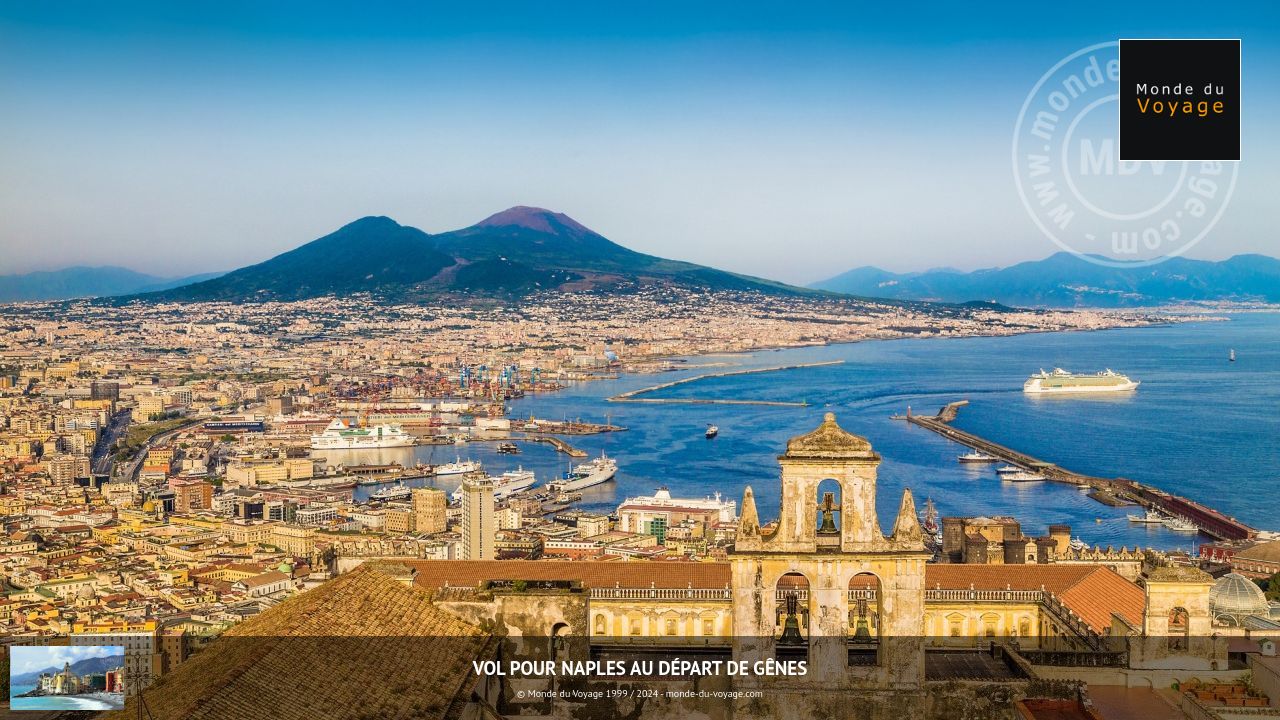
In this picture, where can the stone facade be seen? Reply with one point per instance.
(832, 561)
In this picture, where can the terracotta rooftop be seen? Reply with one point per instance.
(1091, 591)
(1262, 552)
(360, 646)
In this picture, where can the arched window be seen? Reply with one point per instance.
(828, 501)
(600, 624)
(791, 615)
(1179, 629)
(864, 619)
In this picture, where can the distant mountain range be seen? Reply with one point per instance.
(526, 249)
(512, 253)
(79, 282)
(80, 667)
(1066, 280)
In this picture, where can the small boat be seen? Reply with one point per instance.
(930, 524)
(1231, 356)
(1150, 517)
(1008, 469)
(977, 457)
(1180, 525)
(712, 431)
(509, 449)
(1022, 476)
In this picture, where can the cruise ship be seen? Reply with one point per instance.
(1061, 381)
(341, 435)
(506, 484)
(588, 474)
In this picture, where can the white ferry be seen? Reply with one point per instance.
(1150, 517)
(1180, 525)
(1062, 381)
(341, 435)
(457, 467)
(977, 457)
(588, 474)
(1022, 476)
(399, 491)
(506, 484)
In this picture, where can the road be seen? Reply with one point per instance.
(100, 460)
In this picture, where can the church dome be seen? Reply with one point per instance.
(1235, 597)
(148, 507)
(830, 442)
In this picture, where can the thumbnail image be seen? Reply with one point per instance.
(66, 677)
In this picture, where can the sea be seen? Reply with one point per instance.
(1199, 425)
(54, 702)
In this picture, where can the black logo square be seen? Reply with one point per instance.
(1179, 99)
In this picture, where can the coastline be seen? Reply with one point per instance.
(684, 358)
(78, 701)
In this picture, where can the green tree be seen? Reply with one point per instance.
(1272, 587)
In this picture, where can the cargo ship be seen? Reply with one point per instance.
(588, 474)
(1061, 381)
(341, 435)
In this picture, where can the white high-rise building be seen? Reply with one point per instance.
(479, 526)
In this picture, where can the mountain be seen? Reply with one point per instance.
(514, 252)
(372, 253)
(79, 667)
(80, 281)
(1067, 280)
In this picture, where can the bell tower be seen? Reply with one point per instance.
(860, 593)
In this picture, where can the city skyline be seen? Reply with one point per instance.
(175, 142)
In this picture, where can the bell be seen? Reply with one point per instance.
(862, 631)
(828, 515)
(791, 628)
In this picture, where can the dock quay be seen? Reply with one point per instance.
(1109, 491)
(560, 445)
(634, 395)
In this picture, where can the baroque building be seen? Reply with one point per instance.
(828, 553)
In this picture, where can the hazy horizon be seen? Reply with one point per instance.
(179, 140)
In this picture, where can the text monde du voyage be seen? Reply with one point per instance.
(1180, 99)
(675, 667)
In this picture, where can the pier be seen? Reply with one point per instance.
(634, 395)
(559, 445)
(1109, 491)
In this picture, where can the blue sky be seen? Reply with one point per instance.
(25, 659)
(790, 141)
